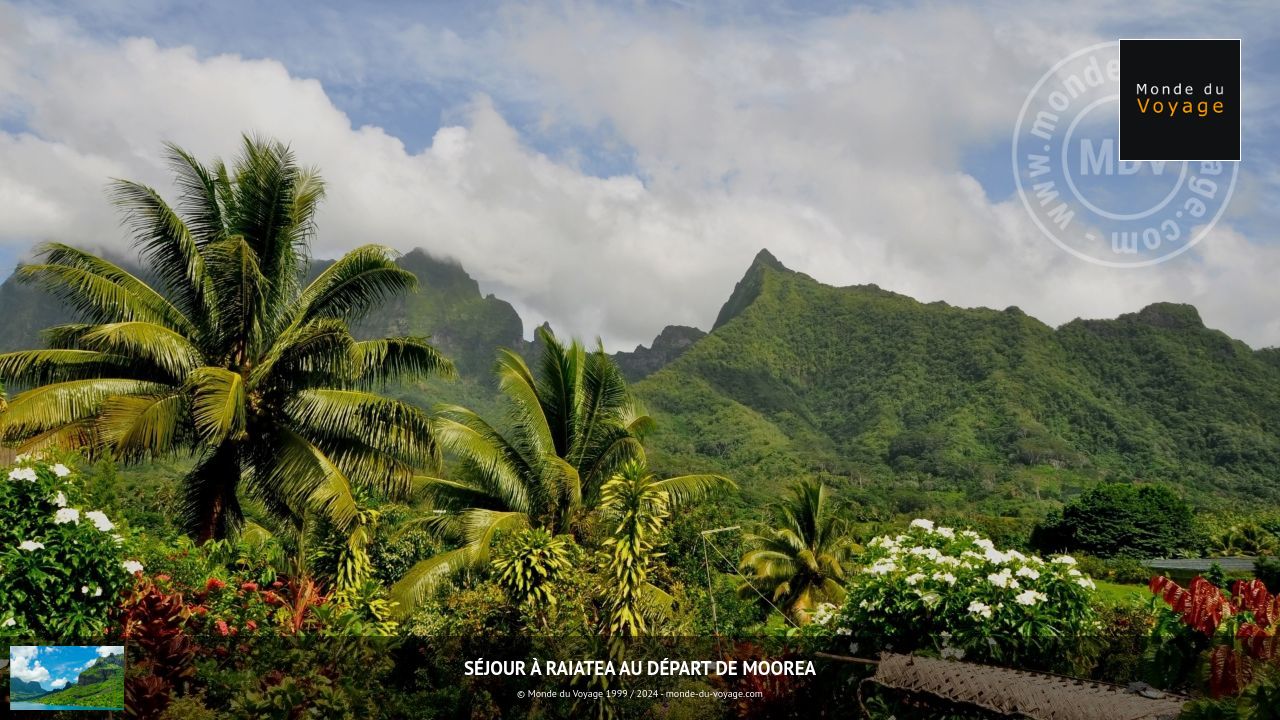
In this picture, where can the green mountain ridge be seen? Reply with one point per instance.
(99, 685)
(871, 387)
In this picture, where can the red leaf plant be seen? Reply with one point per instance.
(1204, 607)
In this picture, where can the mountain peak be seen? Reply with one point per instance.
(1170, 316)
(764, 258)
(749, 287)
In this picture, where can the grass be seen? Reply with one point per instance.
(1114, 594)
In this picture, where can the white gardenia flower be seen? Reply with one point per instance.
(132, 567)
(1028, 573)
(969, 534)
(1030, 597)
(100, 520)
(67, 515)
(1002, 579)
(931, 598)
(882, 567)
(946, 532)
(30, 545)
(980, 608)
(945, 577)
(844, 631)
(995, 557)
(1086, 583)
(97, 592)
(60, 499)
(915, 578)
(61, 470)
(926, 525)
(1065, 560)
(84, 589)
(23, 473)
(985, 544)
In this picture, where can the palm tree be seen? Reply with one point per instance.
(639, 504)
(568, 430)
(229, 356)
(800, 563)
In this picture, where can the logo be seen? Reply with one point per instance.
(1082, 196)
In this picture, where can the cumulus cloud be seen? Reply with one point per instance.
(24, 665)
(58, 684)
(109, 650)
(842, 144)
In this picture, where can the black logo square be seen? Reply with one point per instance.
(1180, 99)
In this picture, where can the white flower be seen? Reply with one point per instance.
(980, 608)
(61, 470)
(1074, 572)
(926, 525)
(84, 589)
(60, 500)
(132, 567)
(67, 515)
(119, 540)
(100, 520)
(23, 473)
(9, 623)
(1030, 597)
(915, 578)
(1003, 579)
(946, 532)
(945, 577)
(844, 631)
(995, 557)
(949, 653)
(1015, 555)
(1065, 560)
(22, 458)
(30, 545)
(931, 598)
(97, 592)
(985, 544)
(882, 567)
(969, 534)
(1027, 572)
(1086, 583)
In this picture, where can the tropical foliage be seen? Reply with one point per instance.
(801, 562)
(226, 353)
(568, 429)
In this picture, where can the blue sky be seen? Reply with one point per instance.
(54, 666)
(576, 156)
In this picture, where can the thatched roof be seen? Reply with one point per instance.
(1022, 694)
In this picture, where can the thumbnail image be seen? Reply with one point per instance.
(66, 677)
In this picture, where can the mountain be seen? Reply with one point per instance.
(909, 404)
(669, 345)
(99, 685)
(24, 690)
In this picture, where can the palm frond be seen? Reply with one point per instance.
(218, 403)
(53, 406)
(140, 427)
(358, 281)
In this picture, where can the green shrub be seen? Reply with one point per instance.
(934, 588)
(1267, 569)
(1142, 521)
(62, 568)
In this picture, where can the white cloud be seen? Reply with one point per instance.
(109, 650)
(24, 665)
(839, 144)
(58, 684)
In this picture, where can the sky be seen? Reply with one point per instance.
(53, 666)
(613, 167)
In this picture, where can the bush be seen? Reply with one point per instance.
(934, 588)
(1112, 519)
(62, 569)
(1123, 570)
(1267, 569)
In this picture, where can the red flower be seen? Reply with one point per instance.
(221, 625)
(249, 587)
(251, 625)
(214, 584)
(162, 577)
